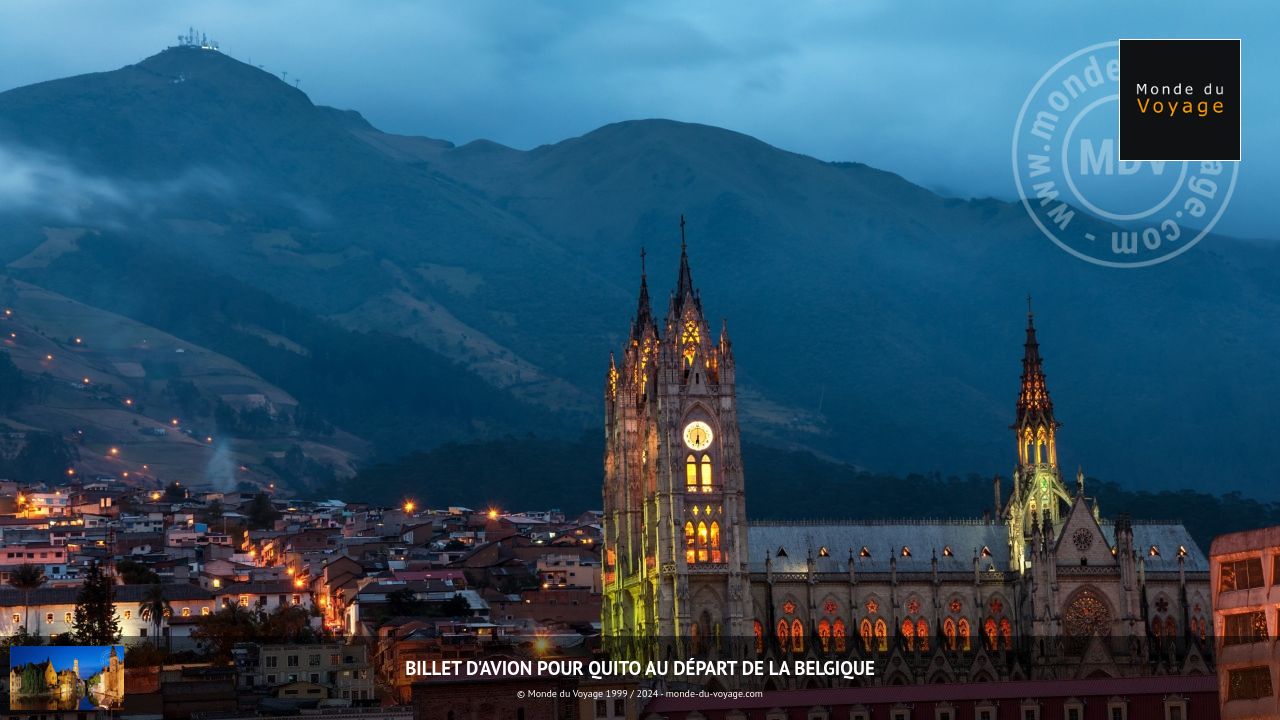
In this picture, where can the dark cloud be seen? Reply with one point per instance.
(926, 89)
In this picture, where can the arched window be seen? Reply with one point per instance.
(715, 542)
(1006, 632)
(909, 634)
(837, 630)
(702, 542)
(949, 631)
(824, 635)
(689, 550)
(991, 633)
(691, 473)
(759, 631)
(1170, 628)
(797, 636)
(784, 634)
(882, 635)
(695, 642)
(922, 635)
(706, 473)
(1157, 628)
(864, 631)
(965, 643)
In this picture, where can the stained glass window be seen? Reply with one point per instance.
(965, 642)
(1087, 615)
(1006, 632)
(949, 631)
(706, 473)
(702, 542)
(689, 537)
(691, 474)
(715, 542)
(864, 631)
(830, 607)
(824, 635)
(922, 635)
(909, 635)
(991, 633)
(784, 633)
(837, 630)
(759, 632)
(797, 636)
(882, 635)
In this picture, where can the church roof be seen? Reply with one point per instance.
(798, 540)
(882, 540)
(1166, 538)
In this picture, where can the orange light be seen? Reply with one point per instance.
(48, 357)
(115, 451)
(493, 514)
(174, 422)
(71, 471)
(155, 496)
(128, 401)
(299, 582)
(85, 380)
(409, 505)
(209, 439)
(290, 571)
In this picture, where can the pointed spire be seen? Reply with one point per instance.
(684, 293)
(1034, 404)
(1080, 480)
(685, 282)
(644, 311)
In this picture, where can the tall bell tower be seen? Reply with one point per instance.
(675, 576)
(1039, 496)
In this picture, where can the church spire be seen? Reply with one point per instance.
(1034, 404)
(644, 312)
(684, 285)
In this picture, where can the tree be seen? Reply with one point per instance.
(287, 624)
(214, 511)
(219, 632)
(27, 577)
(173, 493)
(135, 573)
(13, 389)
(262, 514)
(94, 621)
(155, 609)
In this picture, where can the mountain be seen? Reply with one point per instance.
(875, 322)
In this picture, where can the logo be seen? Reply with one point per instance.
(1082, 196)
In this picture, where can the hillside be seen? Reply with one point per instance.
(874, 322)
(142, 405)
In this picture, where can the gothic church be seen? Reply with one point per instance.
(1046, 588)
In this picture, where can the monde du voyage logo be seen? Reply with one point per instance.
(1125, 154)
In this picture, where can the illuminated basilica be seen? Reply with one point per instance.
(1046, 588)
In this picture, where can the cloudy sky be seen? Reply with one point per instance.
(926, 89)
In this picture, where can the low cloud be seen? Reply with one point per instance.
(39, 183)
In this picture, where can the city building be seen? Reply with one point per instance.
(1245, 576)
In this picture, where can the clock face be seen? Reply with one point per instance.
(697, 435)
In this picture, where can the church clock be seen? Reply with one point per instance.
(697, 435)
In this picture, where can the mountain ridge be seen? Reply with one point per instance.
(875, 321)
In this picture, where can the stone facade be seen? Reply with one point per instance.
(1048, 587)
